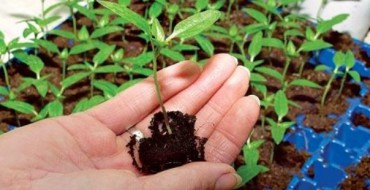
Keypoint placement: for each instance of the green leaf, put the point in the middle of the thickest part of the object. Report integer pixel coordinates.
(281, 104)
(253, 28)
(85, 11)
(47, 21)
(62, 33)
(272, 42)
(195, 24)
(143, 71)
(4, 91)
(103, 54)
(128, 15)
(339, 58)
(35, 63)
(105, 30)
(249, 172)
(128, 84)
(201, 4)
(304, 82)
(326, 25)
(155, 10)
(271, 72)
(293, 32)
(205, 44)
(48, 45)
(41, 87)
(81, 105)
(83, 34)
(176, 56)
(55, 108)
(73, 79)
(255, 77)
(185, 47)
(157, 30)
(257, 15)
(255, 46)
(321, 68)
(355, 76)
(109, 69)
(278, 131)
(80, 48)
(21, 107)
(314, 45)
(140, 60)
(350, 59)
(108, 88)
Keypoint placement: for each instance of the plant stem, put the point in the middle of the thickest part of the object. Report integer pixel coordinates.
(64, 69)
(5, 75)
(286, 66)
(74, 22)
(327, 87)
(342, 84)
(229, 9)
(301, 67)
(91, 85)
(158, 89)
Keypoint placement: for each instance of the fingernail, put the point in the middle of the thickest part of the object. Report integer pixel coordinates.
(239, 181)
(246, 69)
(227, 181)
(256, 99)
(236, 60)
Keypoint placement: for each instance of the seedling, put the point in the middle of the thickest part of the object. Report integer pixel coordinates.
(340, 60)
(251, 168)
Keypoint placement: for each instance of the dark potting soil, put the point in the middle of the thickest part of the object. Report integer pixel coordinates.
(357, 176)
(163, 150)
(361, 120)
(287, 161)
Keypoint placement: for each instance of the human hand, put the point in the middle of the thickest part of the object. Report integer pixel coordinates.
(88, 150)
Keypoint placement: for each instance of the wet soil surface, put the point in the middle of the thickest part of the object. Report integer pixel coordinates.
(357, 176)
(164, 150)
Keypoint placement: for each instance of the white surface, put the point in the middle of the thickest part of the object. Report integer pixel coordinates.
(12, 12)
(357, 24)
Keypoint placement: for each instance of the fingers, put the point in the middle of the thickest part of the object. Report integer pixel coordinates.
(132, 105)
(227, 139)
(231, 91)
(198, 175)
(218, 69)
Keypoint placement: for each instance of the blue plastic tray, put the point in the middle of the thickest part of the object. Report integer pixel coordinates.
(332, 152)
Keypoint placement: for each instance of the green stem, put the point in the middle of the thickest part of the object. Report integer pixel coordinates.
(231, 47)
(91, 85)
(301, 67)
(327, 87)
(74, 21)
(5, 74)
(286, 67)
(342, 84)
(229, 9)
(158, 89)
(64, 69)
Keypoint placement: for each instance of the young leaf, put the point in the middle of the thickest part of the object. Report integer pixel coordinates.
(195, 24)
(83, 34)
(55, 108)
(304, 82)
(255, 46)
(339, 58)
(50, 46)
(4, 91)
(314, 45)
(176, 56)
(108, 88)
(80, 48)
(272, 42)
(105, 30)
(63, 33)
(41, 87)
(185, 47)
(268, 71)
(355, 76)
(140, 60)
(155, 9)
(103, 54)
(257, 15)
(281, 104)
(35, 63)
(128, 84)
(73, 79)
(157, 30)
(109, 69)
(201, 4)
(205, 44)
(350, 59)
(22, 107)
(128, 15)
(326, 25)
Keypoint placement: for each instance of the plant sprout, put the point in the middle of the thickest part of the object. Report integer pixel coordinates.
(187, 28)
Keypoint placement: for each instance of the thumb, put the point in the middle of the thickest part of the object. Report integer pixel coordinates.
(197, 175)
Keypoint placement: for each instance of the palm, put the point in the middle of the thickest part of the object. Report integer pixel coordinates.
(92, 144)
